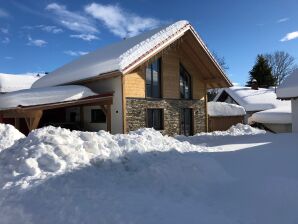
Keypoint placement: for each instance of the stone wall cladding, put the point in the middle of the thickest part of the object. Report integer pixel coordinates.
(136, 113)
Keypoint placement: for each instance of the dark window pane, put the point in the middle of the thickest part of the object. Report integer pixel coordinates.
(186, 122)
(98, 116)
(155, 119)
(72, 116)
(185, 83)
(153, 77)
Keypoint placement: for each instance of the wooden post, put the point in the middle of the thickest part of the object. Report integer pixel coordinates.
(107, 111)
(17, 123)
(32, 122)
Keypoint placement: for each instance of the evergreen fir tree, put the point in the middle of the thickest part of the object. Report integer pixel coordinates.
(262, 73)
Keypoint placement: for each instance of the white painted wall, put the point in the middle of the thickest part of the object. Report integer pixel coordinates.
(295, 115)
(108, 85)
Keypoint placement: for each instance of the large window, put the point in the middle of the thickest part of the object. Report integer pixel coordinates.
(98, 116)
(153, 79)
(155, 119)
(185, 84)
(186, 122)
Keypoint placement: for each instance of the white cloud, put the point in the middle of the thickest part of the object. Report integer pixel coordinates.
(120, 22)
(5, 40)
(87, 37)
(8, 58)
(37, 42)
(72, 20)
(75, 53)
(3, 13)
(4, 30)
(290, 36)
(50, 29)
(282, 20)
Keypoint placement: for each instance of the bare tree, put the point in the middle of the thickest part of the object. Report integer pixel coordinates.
(282, 64)
(221, 61)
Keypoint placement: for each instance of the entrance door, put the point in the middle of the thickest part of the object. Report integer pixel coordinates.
(186, 122)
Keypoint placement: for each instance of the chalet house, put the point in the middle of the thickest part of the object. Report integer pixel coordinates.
(253, 99)
(288, 90)
(157, 79)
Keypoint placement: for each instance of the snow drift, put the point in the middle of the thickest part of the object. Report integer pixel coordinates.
(8, 136)
(217, 109)
(61, 176)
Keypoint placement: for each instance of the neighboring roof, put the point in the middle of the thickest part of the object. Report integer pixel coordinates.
(253, 100)
(40, 96)
(123, 56)
(279, 115)
(289, 87)
(14, 82)
(219, 109)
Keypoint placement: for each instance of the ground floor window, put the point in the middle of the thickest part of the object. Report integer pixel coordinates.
(98, 116)
(186, 122)
(155, 119)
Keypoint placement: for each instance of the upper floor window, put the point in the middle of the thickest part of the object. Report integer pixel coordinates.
(185, 84)
(153, 79)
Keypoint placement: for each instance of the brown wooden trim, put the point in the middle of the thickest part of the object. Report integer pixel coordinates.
(123, 105)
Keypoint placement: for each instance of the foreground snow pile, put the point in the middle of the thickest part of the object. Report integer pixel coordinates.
(217, 109)
(235, 130)
(49, 151)
(58, 176)
(8, 136)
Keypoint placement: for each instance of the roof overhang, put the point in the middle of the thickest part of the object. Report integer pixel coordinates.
(20, 111)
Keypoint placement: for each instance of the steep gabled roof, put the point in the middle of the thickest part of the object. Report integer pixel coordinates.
(253, 100)
(124, 56)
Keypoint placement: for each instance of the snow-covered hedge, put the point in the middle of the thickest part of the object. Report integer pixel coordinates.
(218, 109)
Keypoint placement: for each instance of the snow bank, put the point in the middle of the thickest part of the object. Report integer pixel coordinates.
(15, 82)
(50, 151)
(280, 115)
(8, 136)
(38, 96)
(254, 100)
(59, 176)
(216, 109)
(289, 87)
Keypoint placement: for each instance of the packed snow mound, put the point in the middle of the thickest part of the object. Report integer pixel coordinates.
(217, 109)
(50, 151)
(39, 96)
(289, 87)
(280, 115)
(8, 136)
(15, 82)
(236, 130)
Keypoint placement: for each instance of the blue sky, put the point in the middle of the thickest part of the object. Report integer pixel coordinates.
(43, 35)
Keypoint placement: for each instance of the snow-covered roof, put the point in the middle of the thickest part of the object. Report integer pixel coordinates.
(218, 109)
(289, 87)
(253, 100)
(14, 82)
(279, 115)
(40, 96)
(121, 57)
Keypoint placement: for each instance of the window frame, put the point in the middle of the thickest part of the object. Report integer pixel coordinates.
(187, 76)
(161, 118)
(151, 81)
(94, 121)
(182, 115)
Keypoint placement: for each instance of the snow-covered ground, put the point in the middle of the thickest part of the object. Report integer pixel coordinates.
(243, 175)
